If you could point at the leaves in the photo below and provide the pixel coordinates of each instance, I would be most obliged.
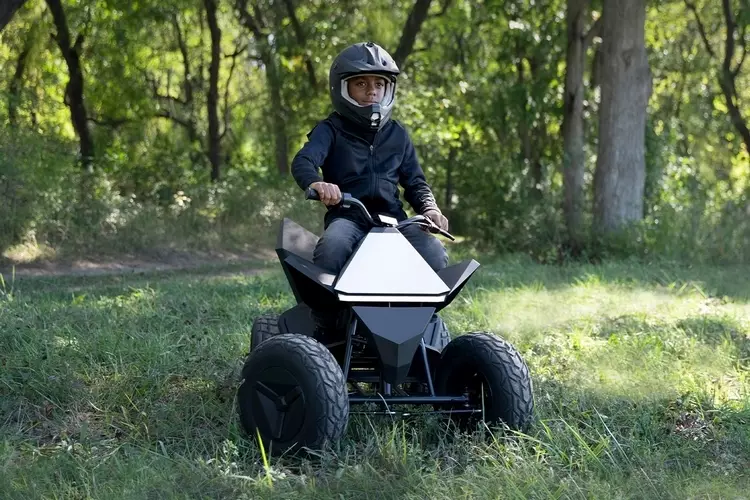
(481, 93)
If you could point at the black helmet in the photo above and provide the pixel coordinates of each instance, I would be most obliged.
(363, 59)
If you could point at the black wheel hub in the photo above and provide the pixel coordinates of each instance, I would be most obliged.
(278, 404)
(472, 384)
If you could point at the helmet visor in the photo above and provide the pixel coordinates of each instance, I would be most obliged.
(388, 95)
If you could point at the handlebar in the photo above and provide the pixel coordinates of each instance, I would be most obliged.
(347, 200)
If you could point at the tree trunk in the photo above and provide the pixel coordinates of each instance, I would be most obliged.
(417, 16)
(619, 179)
(728, 74)
(735, 115)
(273, 77)
(573, 124)
(212, 101)
(269, 57)
(74, 88)
(299, 33)
(529, 136)
(8, 9)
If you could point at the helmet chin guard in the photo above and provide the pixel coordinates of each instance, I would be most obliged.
(375, 117)
(358, 60)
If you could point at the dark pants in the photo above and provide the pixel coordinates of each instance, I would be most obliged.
(338, 241)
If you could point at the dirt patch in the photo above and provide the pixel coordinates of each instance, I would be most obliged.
(132, 264)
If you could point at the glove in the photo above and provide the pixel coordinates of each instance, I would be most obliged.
(438, 218)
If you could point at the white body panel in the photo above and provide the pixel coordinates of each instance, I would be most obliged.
(386, 264)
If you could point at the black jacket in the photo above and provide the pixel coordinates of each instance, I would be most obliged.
(368, 165)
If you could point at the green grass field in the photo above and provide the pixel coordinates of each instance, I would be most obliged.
(120, 387)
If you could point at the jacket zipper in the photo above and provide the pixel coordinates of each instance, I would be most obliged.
(372, 171)
(371, 161)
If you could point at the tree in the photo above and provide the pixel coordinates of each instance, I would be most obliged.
(74, 89)
(212, 102)
(8, 9)
(574, 139)
(16, 82)
(625, 82)
(735, 34)
(417, 16)
(268, 55)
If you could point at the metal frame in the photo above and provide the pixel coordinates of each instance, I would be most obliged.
(385, 397)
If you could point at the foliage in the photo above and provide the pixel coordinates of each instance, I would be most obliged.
(481, 95)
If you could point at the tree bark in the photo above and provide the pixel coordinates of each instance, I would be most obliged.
(417, 16)
(729, 74)
(74, 89)
(573, 123)
(8, 9)
(619, 179)
(212, 101)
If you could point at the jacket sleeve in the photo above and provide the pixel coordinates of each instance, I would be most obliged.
(411, 177)
(310, 158)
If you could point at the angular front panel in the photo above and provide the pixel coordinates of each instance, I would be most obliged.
(456, 276)
(396, 332)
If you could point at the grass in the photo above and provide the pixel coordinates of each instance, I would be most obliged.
(122, 387)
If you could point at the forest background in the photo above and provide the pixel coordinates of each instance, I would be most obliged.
(546, 127)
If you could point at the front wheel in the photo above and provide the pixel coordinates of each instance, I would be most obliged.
(493, 375)
(293, 394)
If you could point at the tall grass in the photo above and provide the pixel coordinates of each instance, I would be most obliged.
(123, 387)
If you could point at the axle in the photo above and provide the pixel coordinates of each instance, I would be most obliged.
(409, 400)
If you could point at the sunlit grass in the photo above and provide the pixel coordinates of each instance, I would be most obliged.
(123, 387)
(30, 251)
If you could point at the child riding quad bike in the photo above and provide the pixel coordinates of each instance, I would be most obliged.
(390, 349)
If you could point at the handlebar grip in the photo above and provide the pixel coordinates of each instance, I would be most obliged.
(311, 194)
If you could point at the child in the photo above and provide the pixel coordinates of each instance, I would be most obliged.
(360, 150)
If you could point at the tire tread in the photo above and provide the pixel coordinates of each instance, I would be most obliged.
(499, 357)
(331, 398)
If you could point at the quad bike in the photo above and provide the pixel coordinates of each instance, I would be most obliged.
(389, 348)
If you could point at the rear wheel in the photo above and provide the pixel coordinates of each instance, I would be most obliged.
(264, 327)
(493, 375)
(293, 394)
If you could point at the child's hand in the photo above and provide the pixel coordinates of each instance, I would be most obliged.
(330, 194)
(438, 218)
